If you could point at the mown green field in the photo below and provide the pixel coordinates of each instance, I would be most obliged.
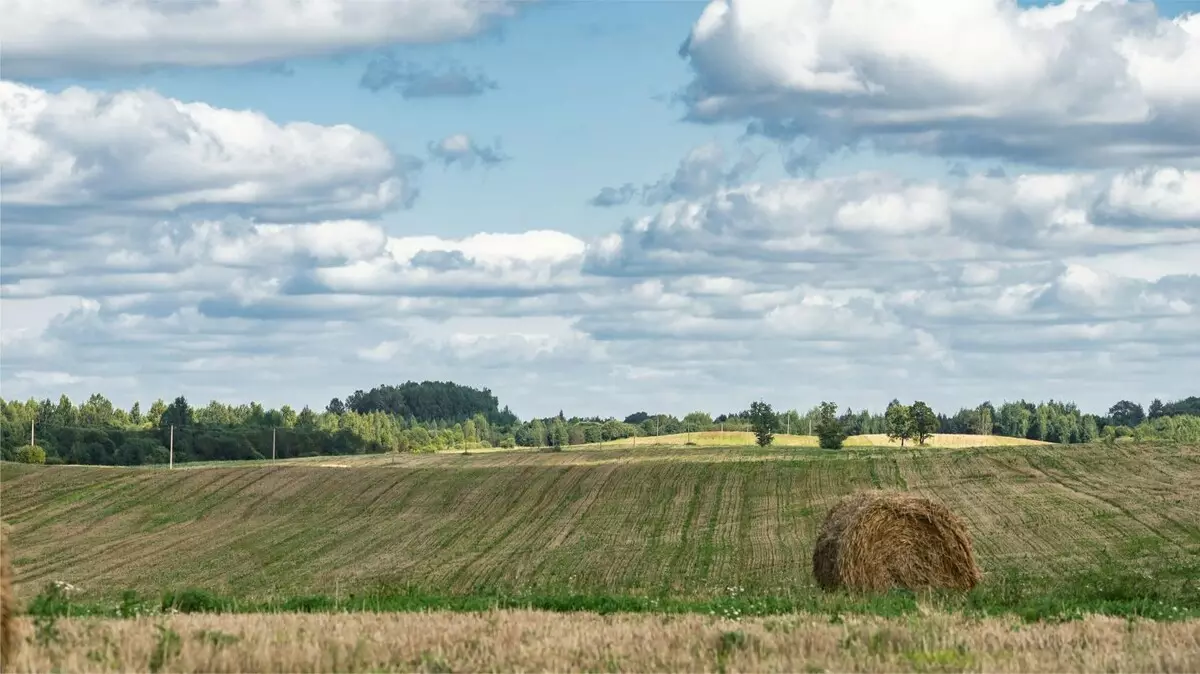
(679, 524)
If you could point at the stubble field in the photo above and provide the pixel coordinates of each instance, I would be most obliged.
(666, 532)
(586, 642)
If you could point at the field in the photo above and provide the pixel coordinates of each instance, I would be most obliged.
(746, 438)
(662, 532)
(688, 522)
(542, 641)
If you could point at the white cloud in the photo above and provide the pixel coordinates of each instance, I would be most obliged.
(702, 170)
(461, 149)
(71, 37)
(199, 259)
(137, 152)
(1095, 82)
(1160, 194)
(780, 229)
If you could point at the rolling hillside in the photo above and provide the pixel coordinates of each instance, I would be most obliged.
(690, 521)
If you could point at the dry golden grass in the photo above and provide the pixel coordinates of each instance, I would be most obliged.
(746, 438)
(539, 641)
(710, 439)
(955, 440)
(875, 540)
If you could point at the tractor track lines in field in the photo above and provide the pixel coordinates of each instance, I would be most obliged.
(1095, 498)
(688, 522)
(582, 508)
(514, 543)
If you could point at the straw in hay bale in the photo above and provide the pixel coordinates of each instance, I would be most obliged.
(876, 540)
(7, 640)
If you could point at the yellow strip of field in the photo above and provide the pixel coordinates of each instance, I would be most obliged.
(746, 438)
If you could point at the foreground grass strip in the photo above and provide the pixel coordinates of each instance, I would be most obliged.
(1166, 592)
(541, 641)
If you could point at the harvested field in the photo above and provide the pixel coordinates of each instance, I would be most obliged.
(7, 610)
(539, 641)
(675, 522)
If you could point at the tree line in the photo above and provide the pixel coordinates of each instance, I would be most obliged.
(434, 416)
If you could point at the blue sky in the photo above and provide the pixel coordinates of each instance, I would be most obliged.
(815, 203)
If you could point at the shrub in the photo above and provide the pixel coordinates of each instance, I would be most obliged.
(31, 454)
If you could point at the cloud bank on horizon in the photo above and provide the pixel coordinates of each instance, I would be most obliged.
(949, 202)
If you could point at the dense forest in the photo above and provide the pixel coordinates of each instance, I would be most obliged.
(431, 416)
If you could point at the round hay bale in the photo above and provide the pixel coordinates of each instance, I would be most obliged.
(7, 640)
(876, 540)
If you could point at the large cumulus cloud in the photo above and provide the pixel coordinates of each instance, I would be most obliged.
(82, 156)
(1081, 82)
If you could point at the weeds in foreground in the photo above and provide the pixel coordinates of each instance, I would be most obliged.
(541, 641)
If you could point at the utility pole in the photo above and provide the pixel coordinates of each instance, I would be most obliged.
(272, 444)
(32, 438)
(171, 465)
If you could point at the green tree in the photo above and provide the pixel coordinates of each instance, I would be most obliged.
(763, 422)
(981, 424)
(537, 432)
(559, 435)
(924, 421)
(1088, 428)
(830, 431)
(96, 411)
(306, 419)
(899, 422)
(288, 416)
(157, 410)
(1126, 413)
(698, 421)
(1156, 409)
(177, 414)
(135, 414)
(64, 412)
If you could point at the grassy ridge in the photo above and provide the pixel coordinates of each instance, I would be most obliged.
(685, 524)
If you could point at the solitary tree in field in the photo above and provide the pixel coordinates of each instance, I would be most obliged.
(924, 421)
(899, 422)
(829, 428)
(763, 422)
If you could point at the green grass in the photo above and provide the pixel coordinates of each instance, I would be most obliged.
(1059, 531)
(1167, 591)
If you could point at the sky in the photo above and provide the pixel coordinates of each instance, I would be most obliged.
(601, 206)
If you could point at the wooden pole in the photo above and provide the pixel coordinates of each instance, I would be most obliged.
(32, 436)
(171, 465)
(272, 444)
